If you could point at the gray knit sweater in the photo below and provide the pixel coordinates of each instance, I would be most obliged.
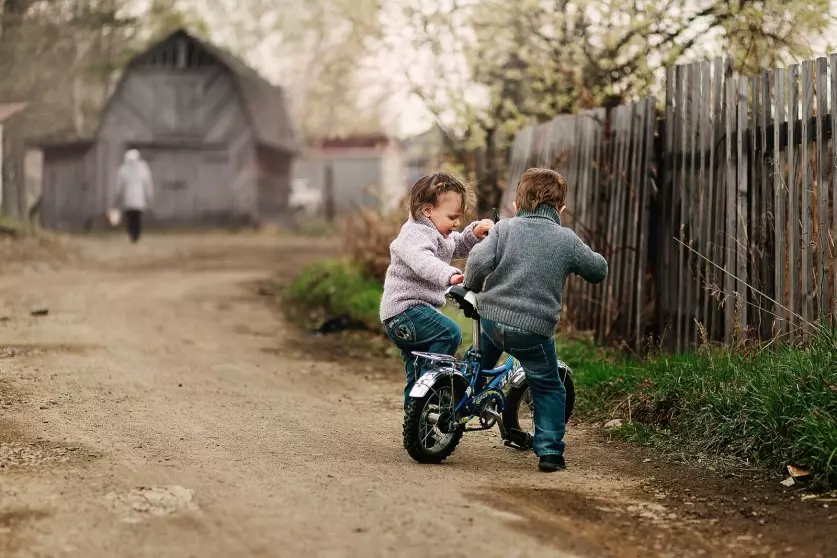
(419, 270)
(520, 269)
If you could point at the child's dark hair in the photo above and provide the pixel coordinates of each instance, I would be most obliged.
(539, 186)
(427, 189)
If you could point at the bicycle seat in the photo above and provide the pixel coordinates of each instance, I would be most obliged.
(465, 299)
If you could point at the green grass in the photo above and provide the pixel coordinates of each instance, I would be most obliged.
(338, 287)
(769, 408)
(14, 227)
(766, 408)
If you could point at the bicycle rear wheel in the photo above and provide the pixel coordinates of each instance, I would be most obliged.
(519, 412)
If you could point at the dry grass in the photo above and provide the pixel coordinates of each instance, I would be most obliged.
(367, 235)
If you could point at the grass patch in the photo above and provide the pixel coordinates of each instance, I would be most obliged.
(334, 287)
(768, 408)
(14, 227)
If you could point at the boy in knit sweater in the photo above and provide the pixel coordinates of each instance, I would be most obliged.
(419, 271)
(519, 273)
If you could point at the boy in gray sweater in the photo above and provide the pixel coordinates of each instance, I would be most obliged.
(420, 271)
(519, 272)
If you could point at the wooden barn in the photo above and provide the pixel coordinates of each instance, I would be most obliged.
(217, 137)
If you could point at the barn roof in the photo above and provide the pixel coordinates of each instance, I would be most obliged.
(265, 104)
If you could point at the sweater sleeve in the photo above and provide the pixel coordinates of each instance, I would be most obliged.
(465, 241)
(481, 262)
(590, 265)
(415, 249)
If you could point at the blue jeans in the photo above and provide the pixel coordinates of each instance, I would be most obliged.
(536, 354)
(424, 329)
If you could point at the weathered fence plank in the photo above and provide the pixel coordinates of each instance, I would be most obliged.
(591, 291)
(649, 122)
(780, 193)
(705, 207)
(683, 255)
(693, 285)
(793, 199)
(754, 204)
(582, 212)
(833, 63)
(634, 194)
(664, 243)
(619, 243)
(729, 237)
(821, 85)
(742, 241)
(807, 193)
(718, 239)
(766, 219)
(607, 310)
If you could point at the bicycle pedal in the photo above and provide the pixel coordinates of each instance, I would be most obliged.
(519, 440)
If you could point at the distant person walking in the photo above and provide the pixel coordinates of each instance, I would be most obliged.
(134, 191)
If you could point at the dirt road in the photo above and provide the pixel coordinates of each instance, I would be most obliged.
(163, 408)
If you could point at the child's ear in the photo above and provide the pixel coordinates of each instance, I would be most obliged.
(561, 209)
(426, 210)
(514, 205)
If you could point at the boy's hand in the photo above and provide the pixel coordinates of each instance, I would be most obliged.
(457, 278)
(482, 228)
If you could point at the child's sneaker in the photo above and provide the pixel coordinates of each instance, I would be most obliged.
(552, 463)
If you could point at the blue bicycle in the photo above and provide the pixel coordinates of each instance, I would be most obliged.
(452, 393)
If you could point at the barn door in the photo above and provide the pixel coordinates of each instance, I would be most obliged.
(173, 173)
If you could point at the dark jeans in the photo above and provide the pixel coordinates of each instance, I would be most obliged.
(133, 220)
(536, 354)
(424, 329)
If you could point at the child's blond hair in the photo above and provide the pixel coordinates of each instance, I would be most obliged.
(427, 189)
(540, 186)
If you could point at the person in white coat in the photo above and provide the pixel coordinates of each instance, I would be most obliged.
(134, 191)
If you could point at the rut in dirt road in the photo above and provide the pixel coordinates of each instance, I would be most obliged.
(164, 408)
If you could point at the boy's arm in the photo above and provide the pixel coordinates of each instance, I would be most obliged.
(481, 262)
(416, 250)
(465, 241)
(591, 266)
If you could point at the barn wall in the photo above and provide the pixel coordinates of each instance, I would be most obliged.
(68, 187)
(201, 149)
(12, 181)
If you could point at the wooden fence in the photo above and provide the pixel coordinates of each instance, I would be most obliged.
(733, 238)
(606, 157)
